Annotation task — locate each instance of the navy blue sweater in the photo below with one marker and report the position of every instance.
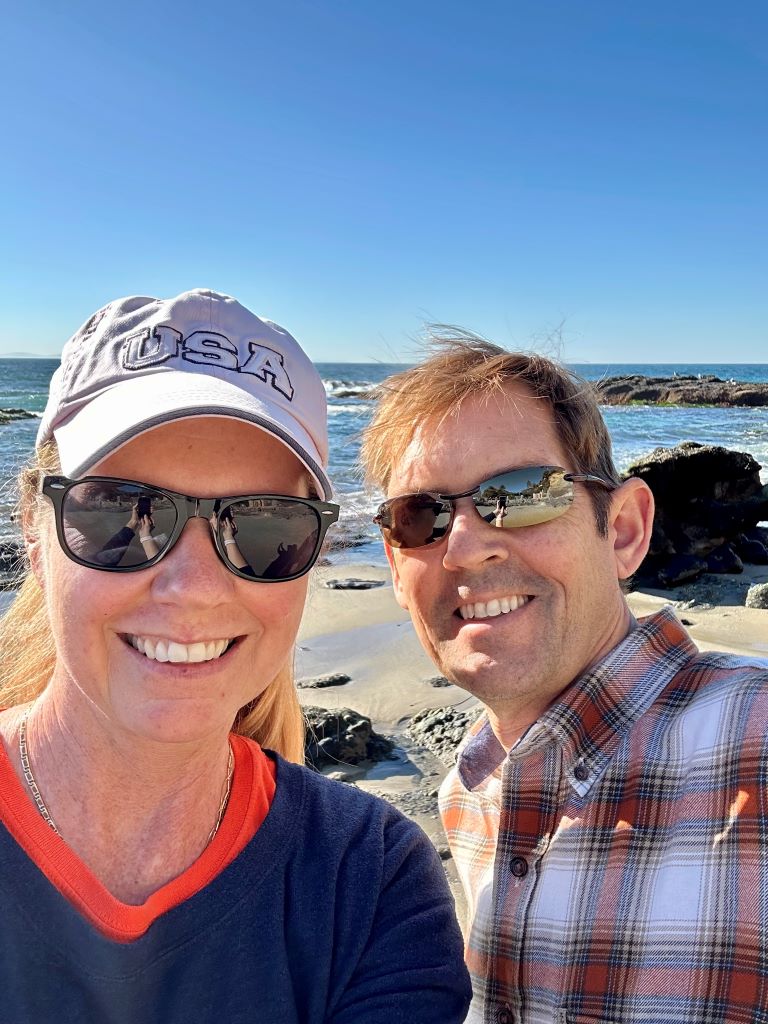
(337, 911)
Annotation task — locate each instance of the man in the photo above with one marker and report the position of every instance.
(607, 813)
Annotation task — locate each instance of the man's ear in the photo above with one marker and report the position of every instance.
(630, 521)
(396, 582)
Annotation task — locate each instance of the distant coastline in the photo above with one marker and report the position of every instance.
(27, 355)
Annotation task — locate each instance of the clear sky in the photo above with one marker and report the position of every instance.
(592, 170)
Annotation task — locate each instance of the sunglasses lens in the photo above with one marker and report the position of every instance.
(413, 520)
(524, 497)
(270, 538)
(520, 497)
(103, 521)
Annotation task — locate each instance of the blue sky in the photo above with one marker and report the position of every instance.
(585, 171)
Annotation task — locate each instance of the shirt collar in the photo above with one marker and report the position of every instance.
(591, 715)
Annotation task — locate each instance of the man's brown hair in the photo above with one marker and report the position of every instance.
(461, 364)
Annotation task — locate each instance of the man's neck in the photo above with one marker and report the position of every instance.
(511, 720)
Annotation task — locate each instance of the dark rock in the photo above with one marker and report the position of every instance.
(320, 682)
(680, 569)
(757, 596)
(438, 681)
(341, 541)
(342, 736)
(724, 559)
(703, 390)
(706, 498)
(442, 729)
(9, 415)
(751, 551)
(12, 564)
(353, 584)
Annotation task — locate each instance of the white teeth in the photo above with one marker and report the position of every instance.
(177, 652)
(171, 650)
(490, 609)
(196, 652)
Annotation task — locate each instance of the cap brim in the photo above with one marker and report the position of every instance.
(130, 408)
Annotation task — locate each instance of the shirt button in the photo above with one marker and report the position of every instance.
(581, 772)
(504, 1015)
(519, 867)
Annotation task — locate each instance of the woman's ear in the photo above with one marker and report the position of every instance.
(33, 543)
(630, 521)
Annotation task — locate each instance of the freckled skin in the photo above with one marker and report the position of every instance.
(517, 663)
(189, 595)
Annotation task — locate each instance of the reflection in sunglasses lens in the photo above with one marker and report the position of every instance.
(103, 522)
(524, 497)
(274, 538)
(521, 497)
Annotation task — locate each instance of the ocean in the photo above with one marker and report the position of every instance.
(635, 430)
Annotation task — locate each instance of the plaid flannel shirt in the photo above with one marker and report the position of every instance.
(615, 858)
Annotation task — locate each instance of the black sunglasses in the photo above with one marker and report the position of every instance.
(123, 526)
(514, 498)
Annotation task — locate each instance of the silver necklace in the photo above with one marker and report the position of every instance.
(25, 767)
(38, 798)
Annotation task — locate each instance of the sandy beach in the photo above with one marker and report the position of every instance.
(367, 636)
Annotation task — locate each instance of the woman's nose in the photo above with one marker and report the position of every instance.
(192, 572)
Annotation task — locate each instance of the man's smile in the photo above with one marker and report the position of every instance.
(496, 606)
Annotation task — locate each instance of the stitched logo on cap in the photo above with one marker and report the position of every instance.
(157, 345)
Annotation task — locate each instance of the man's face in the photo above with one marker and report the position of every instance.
(559, 578)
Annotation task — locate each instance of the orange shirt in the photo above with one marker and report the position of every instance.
(253, 788)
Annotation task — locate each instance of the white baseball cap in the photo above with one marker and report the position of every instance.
(140, 362)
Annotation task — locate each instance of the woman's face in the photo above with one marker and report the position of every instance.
(188, 598)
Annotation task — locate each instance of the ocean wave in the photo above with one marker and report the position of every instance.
(347, 388)
(335, 409)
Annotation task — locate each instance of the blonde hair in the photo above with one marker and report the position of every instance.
(28, 653)
(461, 364)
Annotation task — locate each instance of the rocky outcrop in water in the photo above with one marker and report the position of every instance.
(9, 415)
(704, 390)
(11, 564)
(340, 737)
(709, 501)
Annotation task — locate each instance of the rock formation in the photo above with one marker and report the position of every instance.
(704, 390)
(342, 737)
(442, 729)
(709, 501)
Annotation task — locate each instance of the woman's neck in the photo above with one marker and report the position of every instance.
(137, 812)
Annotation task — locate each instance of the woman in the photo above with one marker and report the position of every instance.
(155, 863)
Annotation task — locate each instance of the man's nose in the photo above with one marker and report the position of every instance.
(472, 542)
